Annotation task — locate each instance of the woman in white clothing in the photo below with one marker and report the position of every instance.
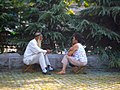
(76, 54)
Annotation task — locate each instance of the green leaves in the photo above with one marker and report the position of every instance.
(50, 17)
(96, 31)
(113, 58)
(45, 15)
(115, 11)
(100, 24)
(54, 36)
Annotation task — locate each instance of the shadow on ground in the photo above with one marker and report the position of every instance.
(97, 80)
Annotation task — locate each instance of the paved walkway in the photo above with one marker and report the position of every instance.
(16, 80)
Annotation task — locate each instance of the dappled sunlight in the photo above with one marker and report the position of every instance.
(38, 81)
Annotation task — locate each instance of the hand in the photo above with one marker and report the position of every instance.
(49, 51)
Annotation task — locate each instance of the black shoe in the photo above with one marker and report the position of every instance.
(46, 73)
(50, 68)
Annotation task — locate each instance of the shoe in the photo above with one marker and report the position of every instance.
(46, 73)
(50, 69)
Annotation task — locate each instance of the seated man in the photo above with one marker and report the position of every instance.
(34, 54)
(76, 54)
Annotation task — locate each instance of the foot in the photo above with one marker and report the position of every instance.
(50, 69)
(61, 73)
(46, 73)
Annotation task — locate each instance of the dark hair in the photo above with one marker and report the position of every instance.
(79, 38)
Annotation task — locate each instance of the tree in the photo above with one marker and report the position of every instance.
(100, 24)
(47, 16)
(8, 15)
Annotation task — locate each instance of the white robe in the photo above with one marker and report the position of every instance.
(34, 54)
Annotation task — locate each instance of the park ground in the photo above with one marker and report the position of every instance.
(92, 80)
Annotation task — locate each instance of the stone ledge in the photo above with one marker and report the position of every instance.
(15, 61)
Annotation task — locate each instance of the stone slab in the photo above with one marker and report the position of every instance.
(15, 61)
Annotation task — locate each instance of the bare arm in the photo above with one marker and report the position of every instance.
(72, 50)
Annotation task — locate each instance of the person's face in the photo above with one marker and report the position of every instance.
(74, 41)
(39, 38)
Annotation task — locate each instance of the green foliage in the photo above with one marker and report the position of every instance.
(46, 16)
(54, 36)
(99, 23)
(113, 58)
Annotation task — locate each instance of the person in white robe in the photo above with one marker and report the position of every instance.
(35, 54)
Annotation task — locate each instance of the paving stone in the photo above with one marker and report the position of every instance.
(98, 80)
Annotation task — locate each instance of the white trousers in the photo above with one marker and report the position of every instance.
(37, 58)
(72, 60)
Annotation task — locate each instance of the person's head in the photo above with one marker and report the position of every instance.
(77, 38)
(38, 36)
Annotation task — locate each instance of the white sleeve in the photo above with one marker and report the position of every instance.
(35, 49)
